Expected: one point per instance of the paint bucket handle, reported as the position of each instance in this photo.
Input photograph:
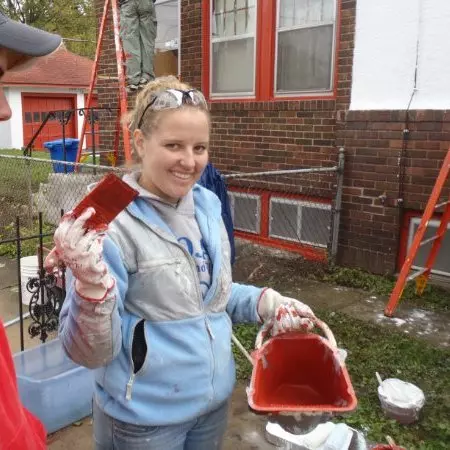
(265, 329)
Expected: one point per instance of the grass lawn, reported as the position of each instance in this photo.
(373, 348)
(16, 152)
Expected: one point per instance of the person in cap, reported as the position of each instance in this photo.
(19, 429)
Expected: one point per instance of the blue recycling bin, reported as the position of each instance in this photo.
(57, 153)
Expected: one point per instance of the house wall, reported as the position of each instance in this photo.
(409, 54)
(365, 116)
(11, 132)
(5, 127)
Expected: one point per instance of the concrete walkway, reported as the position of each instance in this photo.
(253, 265)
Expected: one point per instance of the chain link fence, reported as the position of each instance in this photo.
(289, 208)
(296, 210)
(292, 209)
(31, 185)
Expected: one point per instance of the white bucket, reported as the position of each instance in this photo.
(29, 268)
(401, 400)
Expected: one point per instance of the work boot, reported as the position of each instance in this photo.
(132, 88)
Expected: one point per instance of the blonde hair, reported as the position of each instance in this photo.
(143, 99)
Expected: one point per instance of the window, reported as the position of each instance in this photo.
(305, 41)
(28, 117)
(442, 264)
(36, 117)
(300, 221)
(245, 211)
(266, 50)
(233, 30)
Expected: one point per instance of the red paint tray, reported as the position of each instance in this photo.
(298, 372)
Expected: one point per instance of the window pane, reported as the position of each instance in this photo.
(233, 66)
(28, 117)
(304, 59)
(284, 220)
(233, 33)
(305, 12)
(442, 262)
(315, 225)
(232, 18)
(246, 213)
(36, 117)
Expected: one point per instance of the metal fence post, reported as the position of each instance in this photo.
(337, 205)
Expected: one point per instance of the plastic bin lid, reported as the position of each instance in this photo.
(68, 141)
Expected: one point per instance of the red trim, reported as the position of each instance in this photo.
(312, 253)
(264, 57)
(59, 86)
(49, 95)
(206, 42)
(271, 193)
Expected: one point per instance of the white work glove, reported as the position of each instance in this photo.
(81, 250)
(284, 313)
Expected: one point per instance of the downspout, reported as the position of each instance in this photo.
(406, 132)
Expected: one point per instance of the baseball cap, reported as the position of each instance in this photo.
(25, 39)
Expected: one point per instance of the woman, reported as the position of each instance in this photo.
(152, 303)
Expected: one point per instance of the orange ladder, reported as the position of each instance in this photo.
(421, 276)
(122, 95)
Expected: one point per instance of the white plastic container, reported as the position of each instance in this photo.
(400, 400)
(29, 268)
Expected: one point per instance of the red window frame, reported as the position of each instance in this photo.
(264, 57)
(264, 238)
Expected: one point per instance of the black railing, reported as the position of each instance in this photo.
(93, 115)
(47, 291)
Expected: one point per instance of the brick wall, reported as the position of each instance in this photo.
(379, 173)
(291, 134)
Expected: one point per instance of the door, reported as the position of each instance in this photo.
(35, 109)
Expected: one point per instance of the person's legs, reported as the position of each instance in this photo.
(112, 434)
(209, 430)
(129, 32)
(147, 31)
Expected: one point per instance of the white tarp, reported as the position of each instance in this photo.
(167, 16)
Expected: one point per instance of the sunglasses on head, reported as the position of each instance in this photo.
(174, 98)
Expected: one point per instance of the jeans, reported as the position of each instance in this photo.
(203, 433)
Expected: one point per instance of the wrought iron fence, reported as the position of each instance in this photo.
(296, 210)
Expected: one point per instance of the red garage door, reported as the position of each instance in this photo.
(35, 109)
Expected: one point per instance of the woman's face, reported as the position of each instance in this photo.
(175, 154)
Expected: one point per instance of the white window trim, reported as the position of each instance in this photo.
(433, 224)
(213, 40)
(278, 30)
(257, 197)
(300, 204)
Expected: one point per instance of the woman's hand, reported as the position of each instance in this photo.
(285, 313)
(81, 250)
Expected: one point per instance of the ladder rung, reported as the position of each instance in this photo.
(439, 205)
(431, 239)
(416, 274)
(97, 152)
(107, 77)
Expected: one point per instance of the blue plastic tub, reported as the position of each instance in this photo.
(57, 153)
(52, 387)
